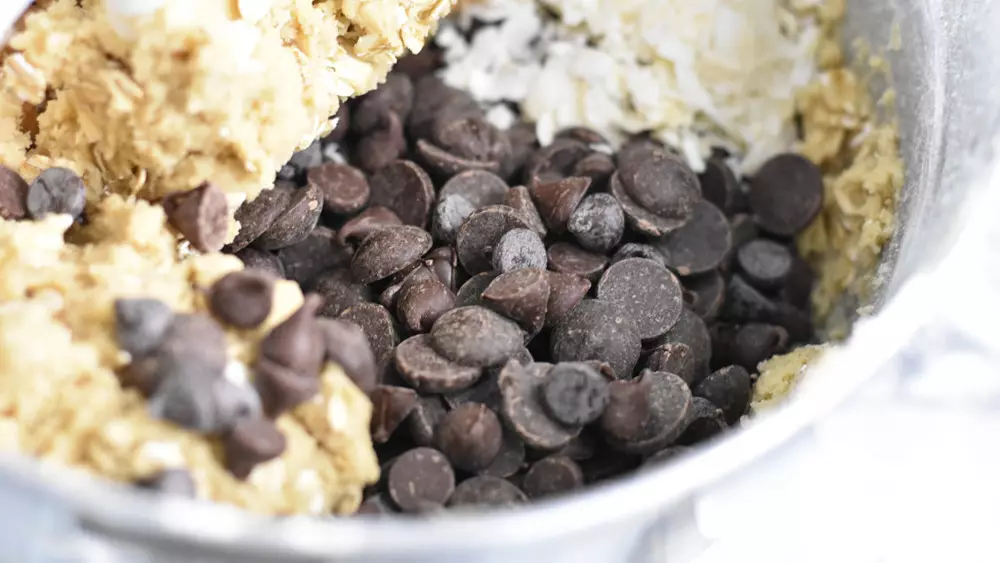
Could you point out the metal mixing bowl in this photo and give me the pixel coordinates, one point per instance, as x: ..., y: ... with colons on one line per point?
x: 946, y: 78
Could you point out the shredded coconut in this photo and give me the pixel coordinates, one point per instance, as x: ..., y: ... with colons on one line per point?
x: 696, y: 74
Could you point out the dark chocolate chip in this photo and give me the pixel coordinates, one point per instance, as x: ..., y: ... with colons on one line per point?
x: 765, y: 263
x: 638, y: 150
x: 380, y: 147
x: 729, y: 389
x: 476, y: 336
x: 282, y: 388
x: 598, y: 223
x: 194, y: 343
x: 582, y: 447
x: 700, y: 245
x: 707, y: 421
x: 201, y: 215
x: 487, y: 492
x: 420, y: 476
x: 797, y: 289
x: 297, y: 343
x: 387, y: 251
x: 746, y: 304
x: 377, y: 324
x: 552, y: 476
x: 480, y: 234
x: 646, y: 293
x: 597, y: 166
x: 521, y: 295
x: 375, y: 505
x: 445, y: 164
x: 242, y: 299
x: 250, y: 443
x: 523, y: 144
x: 471, y: 137
x: 395, y: 96
x: 60, y: 190
x: 524, y: 412
x: 262, y: 260
x: 443, y: 261
x: 678, y: 359
x: 296, y: 222
x: 347, y: 346
x: 723, y: 339
x: 705, y: 294
x: 519, y: 199
x: 471, y: 292
x: 141, y: 325
x: 583, y: 135
x: 486, y: 391
x: 638, y: 250
x: 720, y: 187
x: 339, y: 292
x: 365, y: 223
x: 449, y: 214
x: 628, y: 408
x: 597, y: 330
x: 420, y: 303
x: 340, y: 131
x: 669, y: 414
x: 555, y: 161
x: 643, y: 221
x: 405, y: 188
x: 390, y: 407
x: 757, y: 342
x: 510, y: 459
x: 569, y: 258
x: 319, y: 252
x: 574, y: 393
x: 786, y: 194
x: 202, y: 402
x: 665, y: 186
x: 478, y: 187
x: 557, y: 200
x: 566, y: 291
x: 176, y: 482
x: 257, y: 215
x: 344, y: 188
x: 519, y: 248
x: 434, y: 100
x: 424, y: 419
x: 470, y: 436
x: 424, y: 369
x: 303, y: 160
x: 692, y: 331
x: 13, y: 195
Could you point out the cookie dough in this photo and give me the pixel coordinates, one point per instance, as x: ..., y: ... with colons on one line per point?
x: 145, y: 98
x: 779, y: 375
x: 61, y: 399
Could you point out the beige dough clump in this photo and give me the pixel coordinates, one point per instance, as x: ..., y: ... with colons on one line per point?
x: 58, y: 352
x: 780, y: 374
x: 195, y: 90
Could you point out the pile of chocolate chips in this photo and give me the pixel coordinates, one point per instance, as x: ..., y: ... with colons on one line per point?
x: 540, y: 318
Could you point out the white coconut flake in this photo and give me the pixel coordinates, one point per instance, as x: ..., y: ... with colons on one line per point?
x: 695, y: 73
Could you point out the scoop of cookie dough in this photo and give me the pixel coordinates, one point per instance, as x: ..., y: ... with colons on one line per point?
x: 148, y: 97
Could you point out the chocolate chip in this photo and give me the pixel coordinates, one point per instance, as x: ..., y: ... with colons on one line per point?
x: 566, y: 292
x: 256, y: 215
x: 303, y: 160
x: 471, y: 137
x: 707, y: 421
x: 471, y: 292
x: 307, y: 259
x: 574, y: 393
x: 428, y: 372
x: 583, y: 135
x: 723, y: 339
x: 519, y: 199
x: 340, y: 131
x: 424, y: 419
x: 419, y: 476
x: 377, y: 504
x: 405, y: 188
x: 765, y: 263
x: 638, y: 250
x: 421, y: 303
x: 387, y: 251
x: 745, y: 304
x: 552, y: 476
x: 757, y: 342
x: 344, y: 188
x: 295, y: 222
x: 378, y: 326
x: 665, y: 186
x: 141, y: 325
x: 176, y: 482
x: 390, y: 407
x: 470, y: 436
x: 242, y: 299
x: 13, y: 195
x: 597, y: 330
x: 443, y: 261
x: 700, y: 245
x: 797, y: 289
x: 519, y: 248
x: 729, y: 389
x: 202, y: 402
x: 705, y: 294
x: 395, y: 96
x: 200, y: 215
x: 194, y: 343
x: 449, y: 214
x: 445, y: 164
x: 290, y: 359
x: 487, y: 492
x: 262, y: 261
x: 692, y: 331
x: 485, y: 391
x: 347, y: 346
x: 523, y: 144
x: 598, y: 223
x: 523, y: 411
x: 597, y: 166
x: 339, y: 292
x: 476, y: 336
x: 720, y: 187
x: 365, y: 223
x: 521, y: 295
x: 786, y: 194
x: 380, y: 147
x: 646, y: 292
x: 511, y: 457
x: 643, y: 221
x: 669, y: 414
x: 676, y: 358
x: 558, y: 200
x: 60, y: 190
x: 250, y: 443
x: 434, y: 100
x: 480, y: 234
x: 478, y: 187
x: 569, y: 258
x: 628, y: 408
x: 554, y: 162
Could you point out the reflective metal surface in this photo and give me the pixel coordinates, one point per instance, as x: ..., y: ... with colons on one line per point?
x: 946, y: 78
